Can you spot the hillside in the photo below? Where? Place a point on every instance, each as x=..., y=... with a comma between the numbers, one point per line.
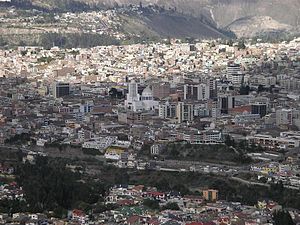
x=223, y=12
x=217, y=13
x=257, y=26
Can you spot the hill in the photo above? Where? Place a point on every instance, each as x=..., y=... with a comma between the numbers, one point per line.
x=221, y=14
x=258, y=26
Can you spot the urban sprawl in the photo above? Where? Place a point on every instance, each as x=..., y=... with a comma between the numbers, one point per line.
x=210, y=108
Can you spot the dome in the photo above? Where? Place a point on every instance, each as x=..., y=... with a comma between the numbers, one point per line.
x=147, y=92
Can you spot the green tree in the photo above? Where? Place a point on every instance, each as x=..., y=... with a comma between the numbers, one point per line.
x=282, y=217
x=171, y=206
x=53, y=186
x=114, y=93
x=229, y=141
x=241, y=45
x=244, y=90
x=151, y=204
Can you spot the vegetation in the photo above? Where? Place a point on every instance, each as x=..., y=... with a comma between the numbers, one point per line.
x=19, y=139
x=90, y=151
x=282, y=218
x=45, y=59
x=244, y=90
x=243, y=146
x=52, y=186
x=53, y=6
x=171, y=206
x=207, y=153
x=114, y=93
x=12, y=206
x=241, y=44
x=151, y=204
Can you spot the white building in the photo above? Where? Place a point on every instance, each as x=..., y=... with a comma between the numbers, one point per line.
x=196, y=92
x=100, y=143
x=135, y=102
x=234, y=74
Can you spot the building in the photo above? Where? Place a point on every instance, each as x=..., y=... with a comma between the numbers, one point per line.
x=167, y=110
x=184, y=112
x=155, y=149
x=270, y=142
x=136, y=102
x=205, y=137
x=196, y=92
x=132, y=101
x=181, y=111
x=213, y=88
x=210, y=195
x=286, y=116
x=226, y=103
x=61, y=89
x=259, y=108
x=161, y=90
x=130, y=117
x=234, y=74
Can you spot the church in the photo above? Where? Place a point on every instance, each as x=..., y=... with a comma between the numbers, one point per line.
x=136, y=102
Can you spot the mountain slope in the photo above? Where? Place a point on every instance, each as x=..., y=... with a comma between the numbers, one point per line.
x=257, y=26
x=218, y=13
x=223, y=12
x=175, y=25
x=136, y=21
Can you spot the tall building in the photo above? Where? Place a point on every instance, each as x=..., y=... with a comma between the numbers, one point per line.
x=181, y=111
x=133, y=91
x=184, y=112
x=132, y=101
x=226, y=103
x=259, y=108
x=61, y=89
x=196, y=92
x=287, y=116
x=167, y=110
x=213, y=89
x=234, y=74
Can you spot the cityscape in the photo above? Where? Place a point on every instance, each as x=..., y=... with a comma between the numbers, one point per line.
x=100, y=124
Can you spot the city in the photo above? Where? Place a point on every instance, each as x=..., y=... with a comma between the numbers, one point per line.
x=173, y=131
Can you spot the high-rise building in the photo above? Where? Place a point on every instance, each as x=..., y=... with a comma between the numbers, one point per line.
x=184, y=112
x=287, y=116
x=181, y=111
x=213, y=89
x=234, y=74
x=61, y=89
x=259, y=108
x=196, y=92
x=167, y=110
x=226, y=103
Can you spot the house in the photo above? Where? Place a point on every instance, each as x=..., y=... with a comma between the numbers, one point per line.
x=155, y=195
x=155, y=149
x=134, y=220
x=78, y=215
